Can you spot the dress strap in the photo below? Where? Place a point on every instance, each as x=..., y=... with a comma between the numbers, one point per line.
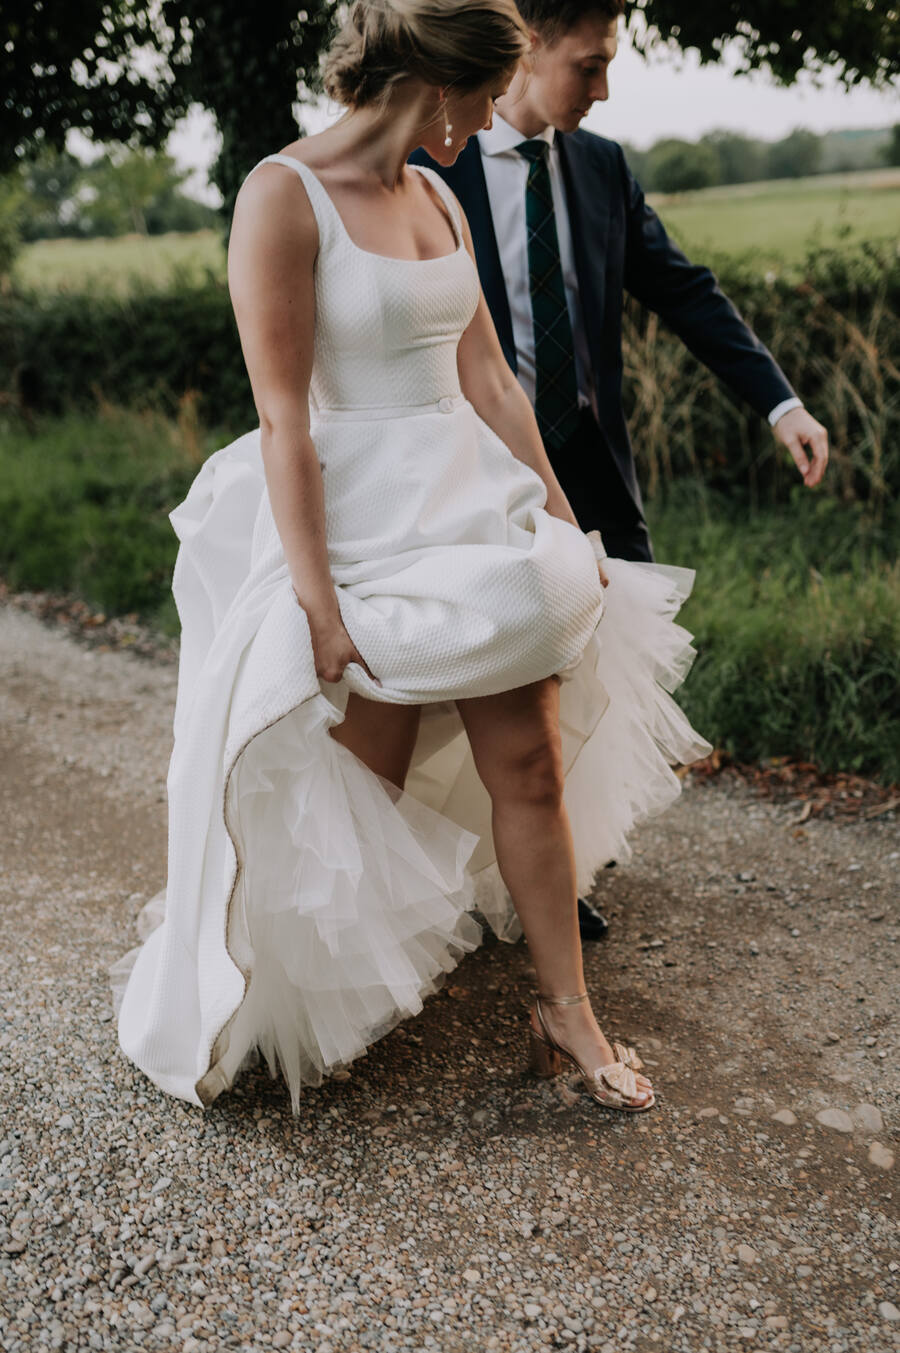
x=447, y=196
x=324, y=209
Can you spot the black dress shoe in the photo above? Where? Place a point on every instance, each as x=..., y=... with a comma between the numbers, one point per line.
x=592, y=923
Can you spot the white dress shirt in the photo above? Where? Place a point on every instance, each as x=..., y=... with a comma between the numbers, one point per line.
x=506, y=172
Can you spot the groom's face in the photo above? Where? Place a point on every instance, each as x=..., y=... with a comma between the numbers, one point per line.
x=570, y=74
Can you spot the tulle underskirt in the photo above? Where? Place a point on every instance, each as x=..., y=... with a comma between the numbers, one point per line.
x=355, y=899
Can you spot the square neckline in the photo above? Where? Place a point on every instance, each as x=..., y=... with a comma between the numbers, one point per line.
x=369, y=253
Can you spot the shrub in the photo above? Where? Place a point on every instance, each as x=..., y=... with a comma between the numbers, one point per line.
x=681, y=166
x=10, y=225
x=146, y=349
x=836, y=332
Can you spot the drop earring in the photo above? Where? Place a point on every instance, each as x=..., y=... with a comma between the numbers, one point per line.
x=448, y=128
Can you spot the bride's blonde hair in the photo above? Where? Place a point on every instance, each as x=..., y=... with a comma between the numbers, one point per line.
x=459, y=43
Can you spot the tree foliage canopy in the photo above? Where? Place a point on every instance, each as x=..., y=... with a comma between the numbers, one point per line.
x=860, y=38
x=127, y=70
x=97, y=65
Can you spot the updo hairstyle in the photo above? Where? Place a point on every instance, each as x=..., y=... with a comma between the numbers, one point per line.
x=461, y=44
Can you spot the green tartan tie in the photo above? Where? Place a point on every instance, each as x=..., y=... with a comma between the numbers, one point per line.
x=556, y=386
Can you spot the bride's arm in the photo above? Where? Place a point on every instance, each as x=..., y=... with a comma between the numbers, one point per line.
x=271, y=260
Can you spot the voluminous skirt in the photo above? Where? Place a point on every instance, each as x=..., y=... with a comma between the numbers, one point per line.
x=311, y=905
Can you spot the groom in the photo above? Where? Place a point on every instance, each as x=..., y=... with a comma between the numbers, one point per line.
x=561, y=230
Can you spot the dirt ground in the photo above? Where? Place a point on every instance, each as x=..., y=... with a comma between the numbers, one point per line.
x=437, y=1197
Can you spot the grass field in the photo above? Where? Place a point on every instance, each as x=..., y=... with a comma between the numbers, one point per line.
x=778, y=221
x=117, y=264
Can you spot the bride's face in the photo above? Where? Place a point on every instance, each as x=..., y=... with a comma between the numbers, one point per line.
x=466, y=114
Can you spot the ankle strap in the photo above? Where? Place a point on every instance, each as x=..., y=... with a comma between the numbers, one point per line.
x=563, y=1000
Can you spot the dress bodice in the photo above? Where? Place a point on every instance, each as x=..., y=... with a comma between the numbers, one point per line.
x=387, y=329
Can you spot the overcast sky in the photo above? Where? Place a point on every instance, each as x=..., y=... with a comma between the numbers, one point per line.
x=666, y=96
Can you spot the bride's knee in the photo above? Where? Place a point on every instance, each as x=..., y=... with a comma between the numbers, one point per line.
x=529, y=776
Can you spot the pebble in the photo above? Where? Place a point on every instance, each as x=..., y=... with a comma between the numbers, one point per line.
x=881, y=1156
x=868, y=1117
x=785, y=1116
x=835, y=1118
x=888, y=1311
x=746, y=1254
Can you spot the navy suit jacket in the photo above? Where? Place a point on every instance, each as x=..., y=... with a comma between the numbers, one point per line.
x=620, y=245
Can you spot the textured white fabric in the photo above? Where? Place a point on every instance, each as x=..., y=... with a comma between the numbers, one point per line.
x=506, y=173
x=309, y=905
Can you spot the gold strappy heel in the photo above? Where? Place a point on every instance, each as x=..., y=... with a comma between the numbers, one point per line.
x=612, y=1085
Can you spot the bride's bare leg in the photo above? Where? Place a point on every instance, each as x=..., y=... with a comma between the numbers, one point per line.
x=383, y=736
x=516, y=745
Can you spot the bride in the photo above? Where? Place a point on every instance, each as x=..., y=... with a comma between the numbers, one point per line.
x=409, y=685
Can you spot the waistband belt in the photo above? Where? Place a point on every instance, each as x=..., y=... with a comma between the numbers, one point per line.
x=364, y=414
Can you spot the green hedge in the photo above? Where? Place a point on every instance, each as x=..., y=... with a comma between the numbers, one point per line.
x=836, y=333
x=144, y=350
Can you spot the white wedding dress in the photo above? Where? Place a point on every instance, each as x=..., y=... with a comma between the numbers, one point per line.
x=310, y=905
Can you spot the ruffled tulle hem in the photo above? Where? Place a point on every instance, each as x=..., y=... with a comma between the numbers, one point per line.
x=623, y=773
x=353, y=901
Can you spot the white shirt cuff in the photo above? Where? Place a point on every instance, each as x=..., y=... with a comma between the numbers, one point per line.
x=784, y=407
x=596, y=541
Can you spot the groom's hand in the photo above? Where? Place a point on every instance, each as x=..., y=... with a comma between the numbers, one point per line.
x=807, y=442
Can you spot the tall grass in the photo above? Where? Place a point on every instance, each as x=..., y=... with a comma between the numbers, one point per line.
x=796, y=614
x=84, y=502
x=837, y=336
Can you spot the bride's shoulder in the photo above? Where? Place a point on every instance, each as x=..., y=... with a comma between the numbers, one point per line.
x=273, y=206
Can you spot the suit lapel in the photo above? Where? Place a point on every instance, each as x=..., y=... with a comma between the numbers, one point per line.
x=467, y=180
x=589, y=221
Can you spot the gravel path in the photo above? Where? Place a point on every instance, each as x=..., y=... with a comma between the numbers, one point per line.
x=437, y=1198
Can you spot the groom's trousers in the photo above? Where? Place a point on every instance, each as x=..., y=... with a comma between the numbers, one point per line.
x=593, y=485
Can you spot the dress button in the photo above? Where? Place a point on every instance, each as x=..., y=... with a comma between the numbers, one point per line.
x=446, y=404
